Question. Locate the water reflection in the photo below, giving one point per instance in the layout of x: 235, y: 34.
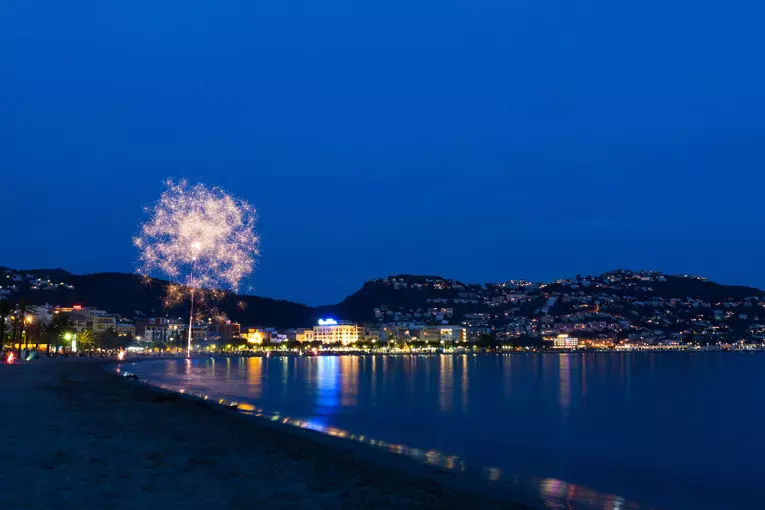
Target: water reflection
x: 285, y: 374
x: 446, y: 387
x: 506, y: 366
x: 564, y: 382
x: 255, y: 376
x: 583, y: 383
x: 349, y: 377
x: 327, y: 373
x: 465, y: 385
x: 374, y: 380
x: 411, y: 377
x: 558, y: 494
x: 524, y: 414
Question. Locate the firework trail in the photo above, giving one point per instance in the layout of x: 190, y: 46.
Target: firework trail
x: 200, y: 238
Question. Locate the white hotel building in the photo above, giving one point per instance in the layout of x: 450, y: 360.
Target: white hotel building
x: 329, y: 331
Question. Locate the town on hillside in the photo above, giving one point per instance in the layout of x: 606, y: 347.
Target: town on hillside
x: 621, y: 310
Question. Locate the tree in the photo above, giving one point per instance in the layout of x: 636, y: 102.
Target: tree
x: 236, y: 342
x: 487, y: 341
x: 5, y: 311
x: 86, y: 340
x: 528, y: 341
x: 108, y: 339
x: 158, y: 344
x: 57, y: 329
x: 18, y: 324
x: 34, y: 329
x: 364, y: 344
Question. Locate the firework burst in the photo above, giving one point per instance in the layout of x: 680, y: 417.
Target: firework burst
x: 202, y: 239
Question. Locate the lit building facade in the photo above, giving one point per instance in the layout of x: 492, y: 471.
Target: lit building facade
x: 161, y: 329
x: 330, y: 331
x: 255, y: 336
x: 125, y: 329
x: 596, y: 343
x: 223, y: 330
x: 304, y: 335
x: 81, y: 319
x: 565, y: 342
x: 369, y: 333
x: 443, y: 334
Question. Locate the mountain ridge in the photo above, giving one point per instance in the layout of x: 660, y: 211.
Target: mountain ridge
x: 651, y: 302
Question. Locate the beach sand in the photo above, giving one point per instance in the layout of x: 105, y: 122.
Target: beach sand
x: 76, y: 436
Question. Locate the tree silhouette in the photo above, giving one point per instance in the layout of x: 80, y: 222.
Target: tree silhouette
x: 6, y: 309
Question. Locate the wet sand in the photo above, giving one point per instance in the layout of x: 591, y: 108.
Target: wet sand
x: 75, y: 436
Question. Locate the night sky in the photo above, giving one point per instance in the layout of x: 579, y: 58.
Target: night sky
x: 480, y: 140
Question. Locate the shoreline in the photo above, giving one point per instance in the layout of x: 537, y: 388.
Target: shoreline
x: 79, y: 436
x: 515, y: 490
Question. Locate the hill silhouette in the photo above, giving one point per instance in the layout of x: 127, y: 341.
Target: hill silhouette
x: 637, y: 295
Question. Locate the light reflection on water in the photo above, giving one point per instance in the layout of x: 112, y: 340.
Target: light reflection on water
x: 628, y: 424
x: 446, y: 386
x: 464, y: 384
x: 564, y: 385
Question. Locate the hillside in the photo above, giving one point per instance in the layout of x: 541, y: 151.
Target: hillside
x: 620, y: 303
x: 129, y: 296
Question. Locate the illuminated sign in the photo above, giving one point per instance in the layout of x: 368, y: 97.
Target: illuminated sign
x: 327, y: 322
x: 77, y: 307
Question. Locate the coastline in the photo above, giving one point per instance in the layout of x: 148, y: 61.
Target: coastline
x: 80, y: 437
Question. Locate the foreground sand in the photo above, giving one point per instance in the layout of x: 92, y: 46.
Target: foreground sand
x: 75, y: 436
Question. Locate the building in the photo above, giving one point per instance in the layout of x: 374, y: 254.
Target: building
x: 198, y: 333
x: 304, y: 335
x: 224, y: 330
x: 81, y: 319
x: 279, y: 338
x: 101, y: 322
x: 164, y: 333
x: 42, y: 313
x: 255, y: 336
x: 160, y: 329
x: 565, y: 342
x: 596, y: 343
x: 125, y: 329
x: 443, y: 334
x: 330, y: 331
x: 369, y: 333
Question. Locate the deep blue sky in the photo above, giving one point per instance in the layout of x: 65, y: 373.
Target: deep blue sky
x: 481, y: 140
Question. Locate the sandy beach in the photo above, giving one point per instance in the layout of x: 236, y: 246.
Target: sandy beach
x: 77, y: 436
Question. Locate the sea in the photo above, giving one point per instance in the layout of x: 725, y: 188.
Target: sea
x: 612, y: 431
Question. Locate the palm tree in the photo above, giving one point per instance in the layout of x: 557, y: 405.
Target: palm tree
x: 5, y: 311
x: 59, y: 326
x: 86, y: 339
x: 109, y: 339
x: 17, y: 320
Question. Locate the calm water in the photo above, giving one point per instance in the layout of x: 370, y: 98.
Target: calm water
x: 665, y: 430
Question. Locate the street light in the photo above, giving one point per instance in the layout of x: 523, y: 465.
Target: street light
x: 27, y: 320
x: 68, y: 336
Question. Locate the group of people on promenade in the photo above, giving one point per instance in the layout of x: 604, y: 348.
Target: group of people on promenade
x: 32, y: 354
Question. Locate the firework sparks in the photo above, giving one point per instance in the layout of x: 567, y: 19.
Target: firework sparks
x: 202, y: 239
